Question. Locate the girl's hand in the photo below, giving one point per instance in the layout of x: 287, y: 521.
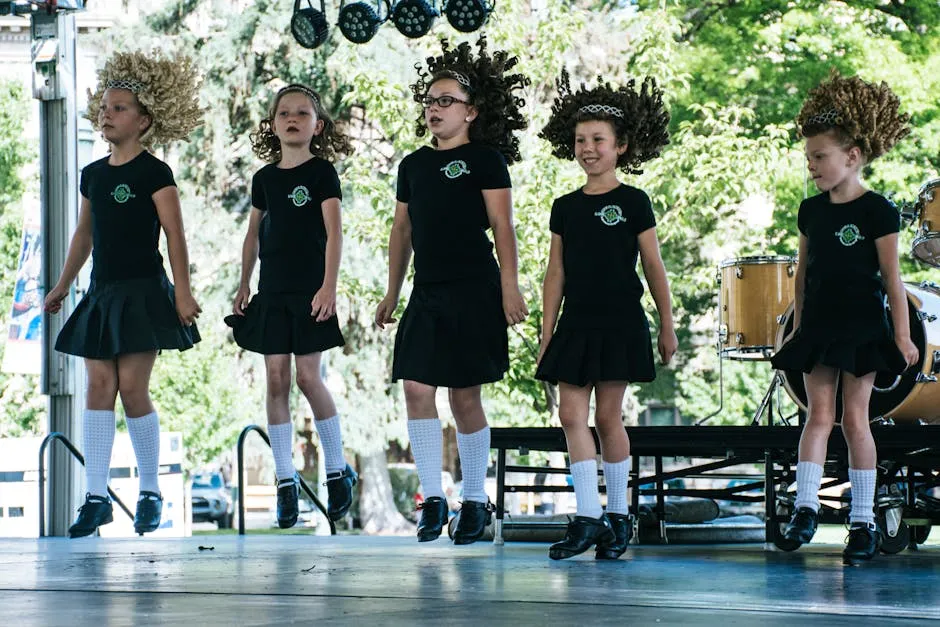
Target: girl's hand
x: 668, y: 344
x: 514, y: 306
x: 909, y: 350
x: 383, y: 313
x: 53, y: 302
x: 187, y: 308
x: 242, y: 297
x: 323, y: 305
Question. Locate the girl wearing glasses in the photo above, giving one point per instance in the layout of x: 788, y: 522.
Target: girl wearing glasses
x: 453, y: 333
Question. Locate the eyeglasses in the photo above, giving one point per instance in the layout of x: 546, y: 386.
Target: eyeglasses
x: 443, y: 101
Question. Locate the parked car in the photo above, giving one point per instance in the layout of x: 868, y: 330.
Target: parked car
x: 211, y: 501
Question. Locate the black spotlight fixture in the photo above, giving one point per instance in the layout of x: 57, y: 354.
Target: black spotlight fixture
x: 467, y: 15
x: 359, y: 21
x: 308, y: 26
x: 413, y: 18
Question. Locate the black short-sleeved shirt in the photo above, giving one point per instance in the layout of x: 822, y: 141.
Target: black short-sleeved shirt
x: 124, y: 222
x: 293, y: 234
x: 443, y: 190
x: 844, y: 293
x: 599, y: 250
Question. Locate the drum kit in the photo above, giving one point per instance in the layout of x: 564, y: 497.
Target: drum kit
x: 756, y: 315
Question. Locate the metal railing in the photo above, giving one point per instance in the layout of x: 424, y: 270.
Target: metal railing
x: 241, y: 481
x: 55, y: 435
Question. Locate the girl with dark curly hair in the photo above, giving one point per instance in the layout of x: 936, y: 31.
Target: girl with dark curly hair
x: 848, y: 262
x: 602, y: 339
x: 295, y: 229
x: 453, y: 332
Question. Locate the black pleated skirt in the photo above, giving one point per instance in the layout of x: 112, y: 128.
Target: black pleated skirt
x: 127, y: 316
x: 453, y: 334
x: 858, y: 356
x: 281, y: 324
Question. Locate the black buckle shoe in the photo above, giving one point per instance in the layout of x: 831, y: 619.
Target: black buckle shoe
x: 862, y: 544
x: 802, y: 526
x: 583, y: 533
x: 339, y: 485
x: 433, y: 518
x: 471, y: 522
x: 288, y: 493
x: 622, y: 524
x: 149, y: 512
x: 96, y: 511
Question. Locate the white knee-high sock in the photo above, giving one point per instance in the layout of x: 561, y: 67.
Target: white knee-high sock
x: 808, y: 478
x: 587, y: 496
x: 426, y: 443
x: 331, y: 439
x: 474, y: 450
x: 145, y: 437
x: 282, y: 445
x: 863, y: 495
x: 616, y: 476
x: 97, y: 442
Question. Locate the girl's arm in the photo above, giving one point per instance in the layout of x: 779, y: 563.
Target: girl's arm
x: 800, y: 283
x: 249, y: 257
x: 79, y: 249
x: 553, y: 287
x: 499, y: 211
x: 323, y: 305
x: 399, y: 255
x: 655, y: 273
x: 887, y: 247
x: 167, y: 201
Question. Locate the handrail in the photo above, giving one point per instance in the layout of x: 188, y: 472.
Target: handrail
x: 55, y: 435
x: 241, y: 481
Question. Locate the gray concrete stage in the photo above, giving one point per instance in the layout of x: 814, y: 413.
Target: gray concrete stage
x: 285, y: 579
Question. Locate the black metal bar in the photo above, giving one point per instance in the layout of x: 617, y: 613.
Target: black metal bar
x: 56, y: 436
x: 770, y: 497
x: 241, y: 480
x: 660, y: 499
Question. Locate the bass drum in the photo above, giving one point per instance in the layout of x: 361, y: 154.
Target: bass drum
x: 915, y: 395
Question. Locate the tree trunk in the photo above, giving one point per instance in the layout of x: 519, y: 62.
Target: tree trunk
x: 377, y: 509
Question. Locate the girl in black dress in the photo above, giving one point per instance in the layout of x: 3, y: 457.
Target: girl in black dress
x: 131, y: 310
x: 602, y: 340
x: 848, y: 261
x: 295, y: 229
x: 453, y: 332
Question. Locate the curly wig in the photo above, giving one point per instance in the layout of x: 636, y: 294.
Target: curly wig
x: 860, y: 114
x: 167, y: 90
x: 639, y: 119
x: 328, y: 144
x: 490, y: 88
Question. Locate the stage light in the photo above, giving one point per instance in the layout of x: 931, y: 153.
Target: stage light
x: 467, y: 15
x: 359, y: 21
x: 308, y: 26
x: 413, y: 18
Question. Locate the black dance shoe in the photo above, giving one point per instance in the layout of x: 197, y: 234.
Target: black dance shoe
x: 471, y: 522
x: 340, y: 485
x: 149, y: 512
x: 583, y: 533
x: 862, y: 544
x: 433, y: 518
x: 95, y: 512
x: 622, y: 524
x: 802, y: 526
x: 288, y: 493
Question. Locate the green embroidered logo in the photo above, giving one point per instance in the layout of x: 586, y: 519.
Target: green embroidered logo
x: 611, y: 215
x: 122, y: 193
x: 300, y: 196
x: 849, y: 234
x: 455, y: 168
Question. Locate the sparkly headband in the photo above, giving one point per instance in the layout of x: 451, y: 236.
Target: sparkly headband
x: 460, y: 78
x: 599, y: 108
x: 827, y: 118
x: 304, y: 90
x: 130, y: 84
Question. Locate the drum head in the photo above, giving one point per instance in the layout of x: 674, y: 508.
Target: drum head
x: 926, y: 248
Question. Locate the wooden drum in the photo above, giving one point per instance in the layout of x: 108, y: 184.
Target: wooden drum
x: 926, y: 245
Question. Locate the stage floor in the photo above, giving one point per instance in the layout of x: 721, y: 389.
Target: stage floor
x: 302, y: 579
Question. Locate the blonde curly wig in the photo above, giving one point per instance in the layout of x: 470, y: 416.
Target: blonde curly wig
x: 166, y: 87
x: 860, y: 113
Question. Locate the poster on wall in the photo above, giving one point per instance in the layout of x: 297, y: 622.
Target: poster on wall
x: 23, y: 348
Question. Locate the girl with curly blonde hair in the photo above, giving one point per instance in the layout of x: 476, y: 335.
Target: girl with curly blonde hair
x: 295, y: 229
x: 131, y: 310
x: 848, y: 262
